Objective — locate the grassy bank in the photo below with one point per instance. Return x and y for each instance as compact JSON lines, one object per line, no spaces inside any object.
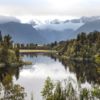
{"x":37,"y":51}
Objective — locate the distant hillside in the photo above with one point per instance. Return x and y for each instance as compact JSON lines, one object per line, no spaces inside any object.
{"x":53,"y":35}
{"x":89,"y":27}
{"x":26,"y":33}
{"x":23,"y":33}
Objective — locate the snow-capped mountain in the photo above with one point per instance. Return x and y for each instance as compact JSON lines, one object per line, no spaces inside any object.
{"x":48,"y":31}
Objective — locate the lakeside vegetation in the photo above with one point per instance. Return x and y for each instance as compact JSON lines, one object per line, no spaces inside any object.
{"x":9,"y":90}
{"x":66,"y":91}
{"x":84,"y":47}
{"x":9,"y":55}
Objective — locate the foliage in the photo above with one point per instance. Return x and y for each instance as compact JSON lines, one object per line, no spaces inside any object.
{"x":8,"y":54}
{"x":10,"y":90}
{"x":57,"y":91}
{"x":14,"y":92}
{"x":47,"y":91}
{"x":84,"y":46}
{"x":0,"y":37}
{"x":97,"y":58}
{"x":84,"y":94}
{"x":96,"y":92}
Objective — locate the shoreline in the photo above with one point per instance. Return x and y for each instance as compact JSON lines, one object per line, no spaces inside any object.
{"x":36,"y":51}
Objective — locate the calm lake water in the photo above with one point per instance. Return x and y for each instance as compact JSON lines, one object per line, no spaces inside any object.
{"x":32,"y":77}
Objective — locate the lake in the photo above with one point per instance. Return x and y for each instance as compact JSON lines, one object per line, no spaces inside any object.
{"x":32,"y":77}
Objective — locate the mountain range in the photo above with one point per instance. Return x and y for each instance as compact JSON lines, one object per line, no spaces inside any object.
{"x":48,"y":32}
{"x":22,"y":33}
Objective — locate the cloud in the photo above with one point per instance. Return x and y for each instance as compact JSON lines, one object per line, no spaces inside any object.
{"x":5,"y":19}
{"x":50,"y":7}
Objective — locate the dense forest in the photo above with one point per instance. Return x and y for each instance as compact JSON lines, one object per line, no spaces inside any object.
{"x":85,"y":46}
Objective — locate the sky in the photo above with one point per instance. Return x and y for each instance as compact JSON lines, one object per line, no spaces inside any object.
{"x":45,"y":9}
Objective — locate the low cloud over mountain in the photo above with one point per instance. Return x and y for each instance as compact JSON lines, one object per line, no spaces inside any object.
{"x":49,"y":31}
{"x":6,"y":19}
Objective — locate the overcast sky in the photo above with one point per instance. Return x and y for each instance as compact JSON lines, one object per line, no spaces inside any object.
{"x":47,"y":8}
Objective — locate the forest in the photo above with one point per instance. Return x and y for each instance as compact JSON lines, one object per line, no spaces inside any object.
{"x":84,"y":46}
{"x":9,"y":55}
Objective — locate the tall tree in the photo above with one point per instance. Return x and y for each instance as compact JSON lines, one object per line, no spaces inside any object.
{"x":0,"y":37}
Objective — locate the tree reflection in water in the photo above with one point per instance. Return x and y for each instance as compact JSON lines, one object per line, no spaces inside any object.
{"x":85,"y":70}
{"x":9,"y":90}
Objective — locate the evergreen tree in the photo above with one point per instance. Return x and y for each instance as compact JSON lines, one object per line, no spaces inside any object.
{"x":0,"y":37}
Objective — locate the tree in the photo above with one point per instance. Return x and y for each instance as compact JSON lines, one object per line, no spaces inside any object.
{"x":96,"y":92}
{"x":70,"y":92}
{"x":55,"y":91}
{"x":4,"y":55}
{"x":59,"y":93}
{"x":14,"y":92}
{"x":7,"y":42}
{"x":84,"y":94}
{"x":47,"y":91}
{"x":0,"y":37}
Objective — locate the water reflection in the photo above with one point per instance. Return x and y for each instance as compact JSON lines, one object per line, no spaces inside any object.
{"x":32,"y":77}
{"x":9,"y":90}
{"x":84,"y":70}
